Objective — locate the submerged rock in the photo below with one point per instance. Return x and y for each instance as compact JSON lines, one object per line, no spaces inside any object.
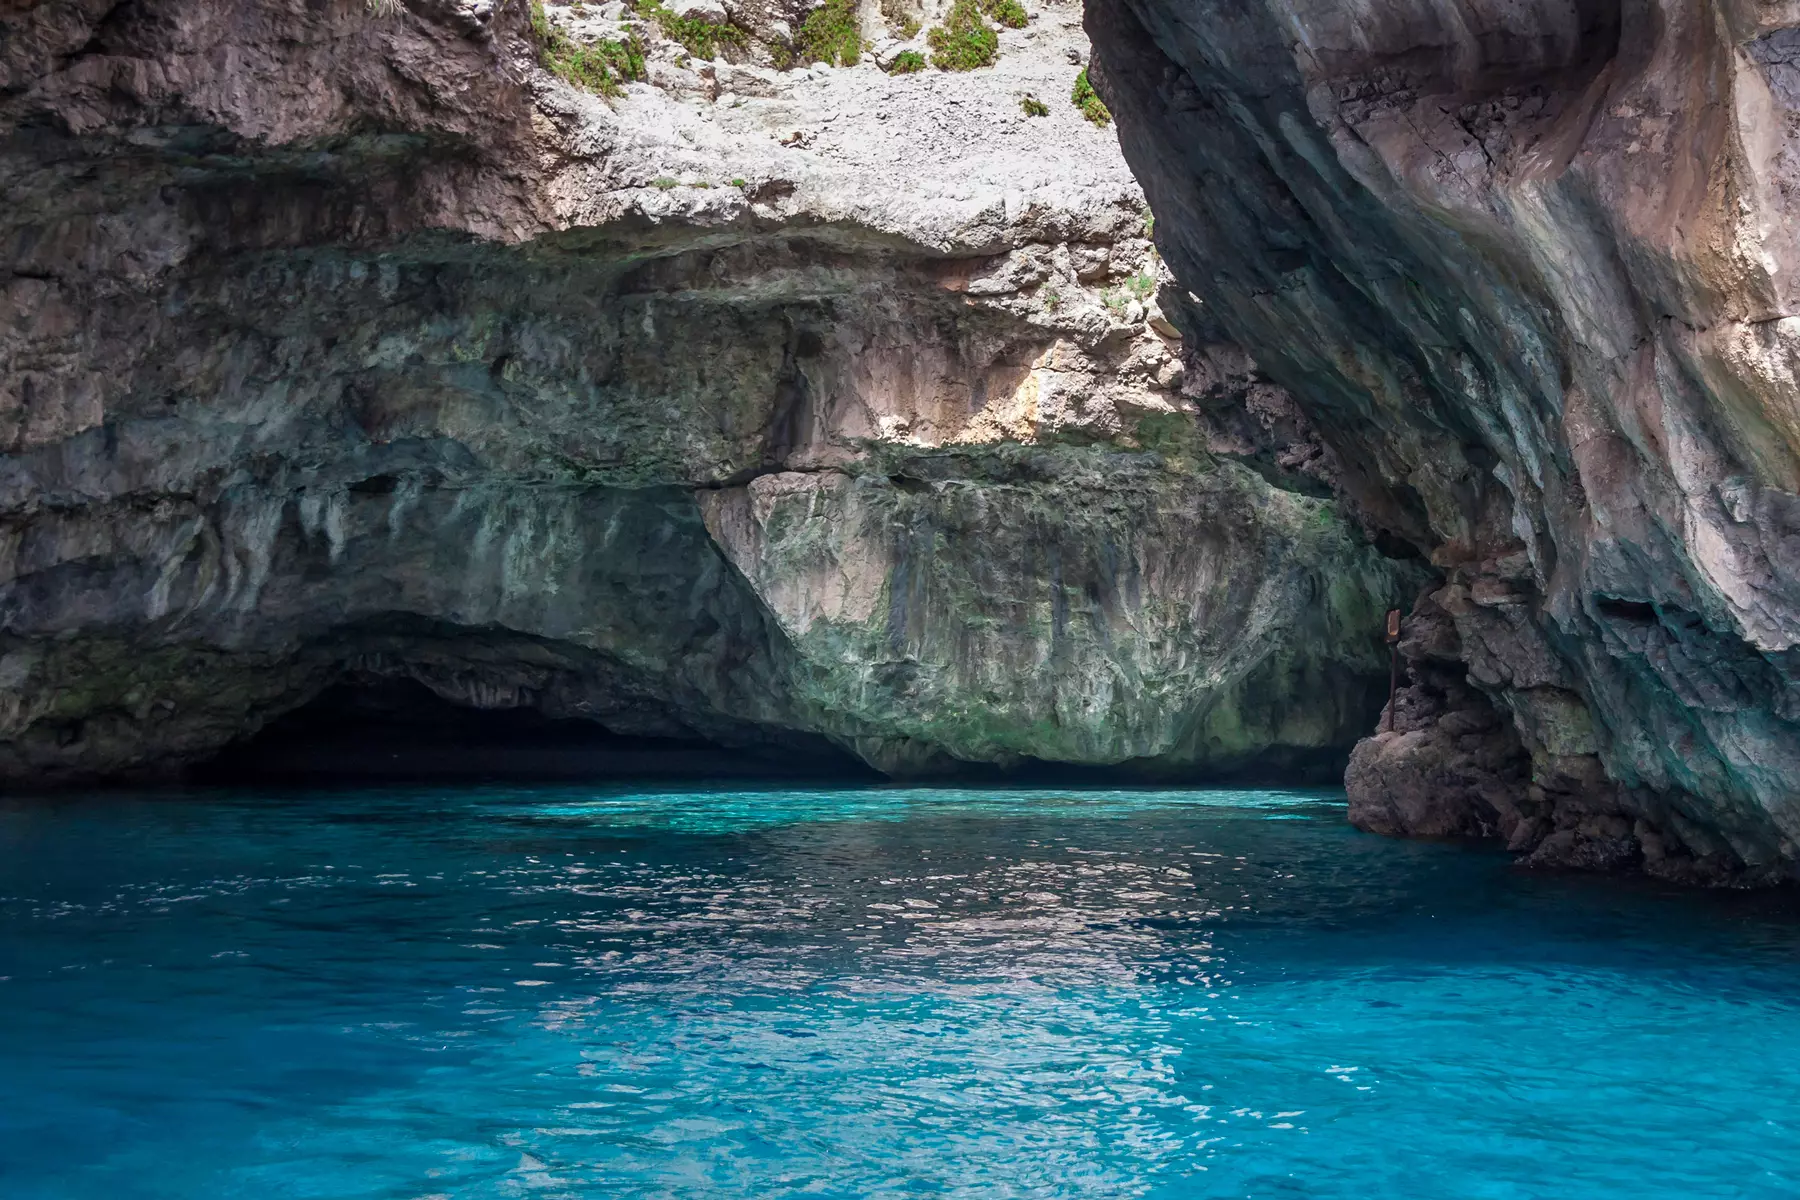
{"x":347,"y":342}
{"x":1528,"y":270}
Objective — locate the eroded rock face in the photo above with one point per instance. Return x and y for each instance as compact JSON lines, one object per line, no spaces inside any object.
{"x":765,"y":406}
{"x":1079,"y":606}
{"x":1529,"y":270}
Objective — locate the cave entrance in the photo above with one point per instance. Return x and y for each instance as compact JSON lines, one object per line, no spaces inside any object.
{"x":398,"y":730}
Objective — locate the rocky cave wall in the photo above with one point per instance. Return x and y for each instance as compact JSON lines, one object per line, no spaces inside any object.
{"x":769,"y":407}
{"x":1529,"y":269}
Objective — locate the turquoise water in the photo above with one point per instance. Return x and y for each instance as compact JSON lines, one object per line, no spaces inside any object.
{"x":881,"y":993}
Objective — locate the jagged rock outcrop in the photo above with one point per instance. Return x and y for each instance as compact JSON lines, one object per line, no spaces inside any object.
{"x":774,"y":407}
{"x":1529,"y":270}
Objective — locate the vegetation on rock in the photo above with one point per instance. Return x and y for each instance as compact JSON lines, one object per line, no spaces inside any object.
{"x":1033,"y":107}
{"x":830,"y":34}
{"x":699,"y":37}
{"x":599,"y":66}
{"x":1009,"y":13}
{"x":1088,"y":101}
{"x":964,"y":41}
{"x":906,"y":62}
{"x":901,"y":19}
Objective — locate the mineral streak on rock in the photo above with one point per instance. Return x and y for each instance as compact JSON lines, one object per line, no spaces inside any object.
{"x":1529,"y":272}
{"x":344,"y":342}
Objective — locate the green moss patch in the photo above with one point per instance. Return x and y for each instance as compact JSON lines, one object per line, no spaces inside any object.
{"x":701,"y":38}
{"x":830,"y":34}
{"x":603,"y":67}
{"x":1088,"y":101}
{"x":1009,"y":13}
{"x":906,"y":62}
{"x":964,"y":41}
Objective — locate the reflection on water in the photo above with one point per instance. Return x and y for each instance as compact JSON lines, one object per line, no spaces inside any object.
{"x":880,"y":992}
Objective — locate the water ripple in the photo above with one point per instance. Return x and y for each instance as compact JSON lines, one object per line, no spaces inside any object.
{"x":866,"y":993}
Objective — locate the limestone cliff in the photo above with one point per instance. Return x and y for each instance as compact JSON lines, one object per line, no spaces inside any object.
{"x":733,"y":396}
{"x":1530,"y":270}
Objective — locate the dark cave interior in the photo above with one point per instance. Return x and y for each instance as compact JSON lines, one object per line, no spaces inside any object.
{"x":398,"y":730}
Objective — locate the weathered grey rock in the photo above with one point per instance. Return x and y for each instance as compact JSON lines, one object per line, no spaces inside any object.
{"x":340,"y":344}
{"x":1529,"y":269}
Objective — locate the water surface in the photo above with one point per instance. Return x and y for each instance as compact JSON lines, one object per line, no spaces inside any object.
{"x":563,"y":992}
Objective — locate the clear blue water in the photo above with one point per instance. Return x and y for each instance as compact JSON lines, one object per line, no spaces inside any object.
{"x":881,"y":993}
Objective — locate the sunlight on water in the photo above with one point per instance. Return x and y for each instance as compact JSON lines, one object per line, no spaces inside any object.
{"x":863,"y":993}
{"x":726,"y":811}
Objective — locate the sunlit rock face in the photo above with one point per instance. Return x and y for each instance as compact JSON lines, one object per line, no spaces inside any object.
{"x":1530,"y":270}
{"x":781,"y":408}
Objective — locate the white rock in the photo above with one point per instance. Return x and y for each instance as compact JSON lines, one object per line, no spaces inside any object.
{"x":940,"y":161}
{"x":1160,"y":322}
{"x":700,"y":10}
{"x":1091,"y":262}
